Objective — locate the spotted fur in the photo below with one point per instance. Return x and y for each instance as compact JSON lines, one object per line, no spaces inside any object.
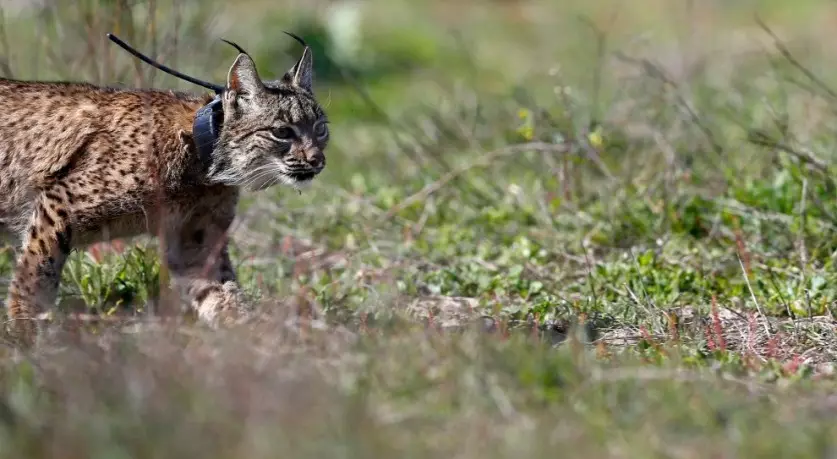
{"x":81,"y":163}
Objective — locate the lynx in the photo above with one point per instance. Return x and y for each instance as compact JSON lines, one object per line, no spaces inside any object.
{"x":84,"y":163}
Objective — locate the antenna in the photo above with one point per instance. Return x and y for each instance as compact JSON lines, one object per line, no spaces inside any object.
{"x":217,"y":88}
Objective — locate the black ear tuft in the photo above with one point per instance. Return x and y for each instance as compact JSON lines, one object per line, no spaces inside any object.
{"x":301,"y":74}
{"x":236,"y":46}
{"x":296,"y":37}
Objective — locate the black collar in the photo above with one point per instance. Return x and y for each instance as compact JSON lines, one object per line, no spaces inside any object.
{"x":206,"y":128}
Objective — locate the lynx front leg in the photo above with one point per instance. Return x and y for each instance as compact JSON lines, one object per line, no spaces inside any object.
{"x":44,"y":251}
{"x":199,"y":261}
{"x":214,"y":294}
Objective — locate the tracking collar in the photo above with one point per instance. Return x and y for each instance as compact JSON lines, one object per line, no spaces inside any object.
{"x":206,"y":127}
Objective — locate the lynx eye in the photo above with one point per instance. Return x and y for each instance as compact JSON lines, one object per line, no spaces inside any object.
{"x":320,"y":129}
{"x":283,"y":133}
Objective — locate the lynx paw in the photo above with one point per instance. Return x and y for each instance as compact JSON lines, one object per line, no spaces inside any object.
{"x":223,"y":306}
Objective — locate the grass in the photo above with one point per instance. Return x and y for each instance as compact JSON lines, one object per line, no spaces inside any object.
{"x":543,"y":232}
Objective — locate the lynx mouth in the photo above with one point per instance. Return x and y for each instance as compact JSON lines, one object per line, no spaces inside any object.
{"x":306,"y":176}
{"x":294,"y":179}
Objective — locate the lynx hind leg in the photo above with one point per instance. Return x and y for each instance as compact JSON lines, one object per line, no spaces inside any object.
{"x":43,"y":252}
{"x":198,"y":258}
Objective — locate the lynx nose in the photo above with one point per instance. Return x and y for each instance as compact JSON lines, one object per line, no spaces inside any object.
{"x":315,"y":159}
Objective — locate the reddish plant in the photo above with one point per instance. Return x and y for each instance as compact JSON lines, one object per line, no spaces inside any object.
{"x":717,"y":332}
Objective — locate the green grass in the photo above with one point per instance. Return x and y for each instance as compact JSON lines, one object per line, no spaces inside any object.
{"x":474,"y":274}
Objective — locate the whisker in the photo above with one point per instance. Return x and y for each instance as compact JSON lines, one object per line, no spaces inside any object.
{"x":271,"y":170}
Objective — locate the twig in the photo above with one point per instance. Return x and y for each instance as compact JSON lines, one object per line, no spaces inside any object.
{"x":655,"y":72}
{"x":759,"y":138}
{"x":4,"y":42}
{"x":752,"y":294}
{"x":785,"y":302}
{"x":601,"y":40}
{"x":152,"y":33}
{"x":541,"y":147}
{"x":803,"y":252}
{"x":785,"y":52}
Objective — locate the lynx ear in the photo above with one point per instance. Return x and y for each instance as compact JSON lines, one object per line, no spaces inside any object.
{"x":301,"y":74}
{"x":243,"y":79}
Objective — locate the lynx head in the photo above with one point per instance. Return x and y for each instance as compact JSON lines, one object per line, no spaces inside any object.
{"x":273,"y":131}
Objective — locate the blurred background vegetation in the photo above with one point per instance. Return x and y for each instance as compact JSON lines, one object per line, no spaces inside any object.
{"x":649,"y":181}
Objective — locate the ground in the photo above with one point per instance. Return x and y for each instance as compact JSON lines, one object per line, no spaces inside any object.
{"x":600,"y":229}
